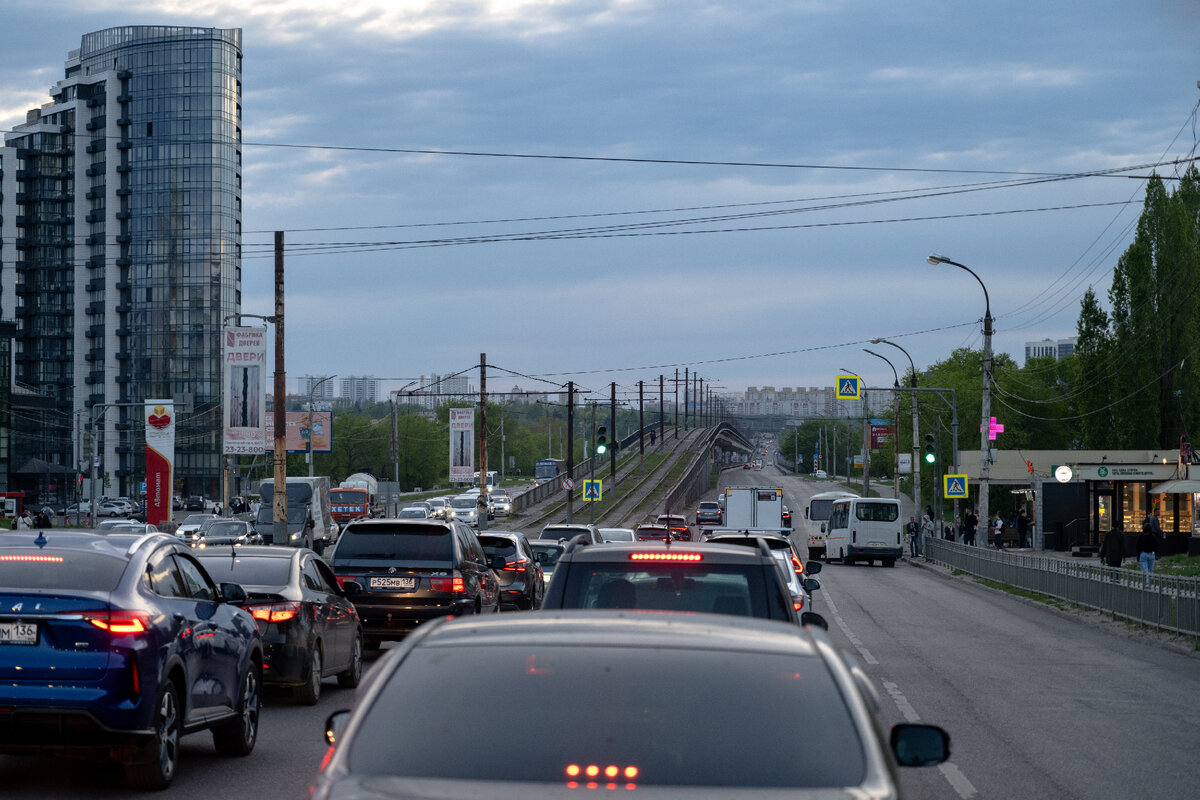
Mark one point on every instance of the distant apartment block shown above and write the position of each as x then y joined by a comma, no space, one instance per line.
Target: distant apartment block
1054,348
360,390
318,387
806,402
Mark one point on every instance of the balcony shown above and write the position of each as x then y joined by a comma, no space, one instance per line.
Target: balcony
95,308
124,168
95,169
124,191
95,285
124,75
94,240
95,147
124,122
95,216
95,101
124,145
124,215
124,238
124,261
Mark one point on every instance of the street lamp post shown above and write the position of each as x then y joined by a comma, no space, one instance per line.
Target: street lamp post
985,460
916,452
896,431
311,390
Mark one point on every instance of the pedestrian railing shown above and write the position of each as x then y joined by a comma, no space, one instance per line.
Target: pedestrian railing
1166,602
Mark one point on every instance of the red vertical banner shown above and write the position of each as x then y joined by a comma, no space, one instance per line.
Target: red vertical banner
160,460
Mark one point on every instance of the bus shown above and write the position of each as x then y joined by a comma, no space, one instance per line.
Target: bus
548,469
493,479
816,515
865,529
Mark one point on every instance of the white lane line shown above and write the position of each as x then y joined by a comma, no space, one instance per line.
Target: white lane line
953,775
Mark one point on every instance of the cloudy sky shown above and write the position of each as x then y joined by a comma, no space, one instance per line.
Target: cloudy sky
606,190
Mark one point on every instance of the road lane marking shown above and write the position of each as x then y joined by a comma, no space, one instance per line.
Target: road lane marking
854,640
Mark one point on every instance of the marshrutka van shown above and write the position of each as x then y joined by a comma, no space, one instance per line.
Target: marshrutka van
816,519
865,529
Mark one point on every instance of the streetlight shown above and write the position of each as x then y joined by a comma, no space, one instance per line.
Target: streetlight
312,389
866,457
985,459
916,460
896,431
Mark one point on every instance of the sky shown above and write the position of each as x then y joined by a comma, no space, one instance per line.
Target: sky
609,190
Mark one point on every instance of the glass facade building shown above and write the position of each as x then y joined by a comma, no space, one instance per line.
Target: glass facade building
121,214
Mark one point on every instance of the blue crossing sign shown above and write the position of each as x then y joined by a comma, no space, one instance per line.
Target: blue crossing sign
847,387
593,490
954,486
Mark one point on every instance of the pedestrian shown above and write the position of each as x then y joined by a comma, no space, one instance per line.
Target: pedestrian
970,523
42,520
24,522
1022,529
1147,545
927,527
1112,549
914,537
998,530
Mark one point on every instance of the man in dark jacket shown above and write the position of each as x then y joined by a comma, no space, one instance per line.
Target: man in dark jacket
1147,545
1112,549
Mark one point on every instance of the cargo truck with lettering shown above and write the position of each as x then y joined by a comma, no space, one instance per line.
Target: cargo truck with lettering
309,520
751,508
355,498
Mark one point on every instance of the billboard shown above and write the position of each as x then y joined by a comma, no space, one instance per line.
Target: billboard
245,390
462,445
297,431
881,434
160,459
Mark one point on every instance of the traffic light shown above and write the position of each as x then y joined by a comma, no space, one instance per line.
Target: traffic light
601,440
930,456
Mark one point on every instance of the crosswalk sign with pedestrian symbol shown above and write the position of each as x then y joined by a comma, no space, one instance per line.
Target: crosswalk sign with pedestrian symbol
954,486
847,387
593,490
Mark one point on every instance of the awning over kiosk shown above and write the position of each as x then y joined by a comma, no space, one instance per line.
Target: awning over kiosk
1176,487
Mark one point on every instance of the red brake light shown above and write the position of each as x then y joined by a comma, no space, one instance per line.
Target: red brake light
796,565
120,622
453,585
274,612
517,566
34,558
665,557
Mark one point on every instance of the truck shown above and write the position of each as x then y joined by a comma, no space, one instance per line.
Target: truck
309,520
354,498
363,480
748,507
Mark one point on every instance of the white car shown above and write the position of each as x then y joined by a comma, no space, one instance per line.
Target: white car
500,502
188,529
617,535
820,474
465,508
415,512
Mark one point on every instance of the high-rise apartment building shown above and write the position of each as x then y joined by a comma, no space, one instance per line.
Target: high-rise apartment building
121,246
1054,348
360,390
318,387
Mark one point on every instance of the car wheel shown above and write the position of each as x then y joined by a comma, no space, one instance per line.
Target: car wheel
353,674
308,693
238,736
158,772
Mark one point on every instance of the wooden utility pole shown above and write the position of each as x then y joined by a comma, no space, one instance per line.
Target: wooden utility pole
483,464
279,419
570,447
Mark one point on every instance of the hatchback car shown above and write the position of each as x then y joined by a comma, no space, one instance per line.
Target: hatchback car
546,554
310,630
760,678
708,512
190,527
115,645
616,535
565,531
678,525
653,533
516,567
400,573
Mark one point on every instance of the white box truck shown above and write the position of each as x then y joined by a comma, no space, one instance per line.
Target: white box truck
309,522
748,507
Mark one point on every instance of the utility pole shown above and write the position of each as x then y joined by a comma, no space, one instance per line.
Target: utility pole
677,402
866,446
592,461
279,507
483,462
612,430
687,390
641,424
662,412
570,437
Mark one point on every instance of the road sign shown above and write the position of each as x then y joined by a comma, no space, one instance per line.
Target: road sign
568,484
847,387
954,486
593,490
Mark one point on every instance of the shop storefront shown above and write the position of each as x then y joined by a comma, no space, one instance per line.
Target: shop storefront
1120,496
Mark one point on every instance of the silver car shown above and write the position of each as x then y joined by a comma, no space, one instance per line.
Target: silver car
465,508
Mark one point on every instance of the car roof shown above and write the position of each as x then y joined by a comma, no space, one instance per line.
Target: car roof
627,628
618,552
252,551
390,522
114,543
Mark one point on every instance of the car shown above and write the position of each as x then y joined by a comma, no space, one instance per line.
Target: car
195,503
671,576
546,553
678,525
761,680
747,465
501,502
309,628
83,507
227,532
517,569
565,531
125,526
439,506
708,512
791,566
414,512
464,508
190,527
616,534
111,508
113,646
820,474
650,533
787,517
409,571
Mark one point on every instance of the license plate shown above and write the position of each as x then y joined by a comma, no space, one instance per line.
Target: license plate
18,632
875,544
393,583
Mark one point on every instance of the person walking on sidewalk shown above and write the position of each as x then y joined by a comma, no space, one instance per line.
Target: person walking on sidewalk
1112,549
914,537
927,526
1147,545
970,523
998,529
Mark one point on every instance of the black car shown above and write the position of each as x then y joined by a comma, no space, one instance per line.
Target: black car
408,571
781,713
112,646
310,630
653,533
516,568
194,503
671,576
220,531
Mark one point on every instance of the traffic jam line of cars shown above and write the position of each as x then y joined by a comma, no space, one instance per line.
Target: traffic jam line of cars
107,650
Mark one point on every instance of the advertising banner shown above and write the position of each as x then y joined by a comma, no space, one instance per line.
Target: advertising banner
244,379
298,431
881,435
462,445
160,459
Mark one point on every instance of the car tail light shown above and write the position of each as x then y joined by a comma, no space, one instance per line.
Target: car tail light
516,566
454,585
274,612
665,557
39,559
796,565
341,579
120,622
798,604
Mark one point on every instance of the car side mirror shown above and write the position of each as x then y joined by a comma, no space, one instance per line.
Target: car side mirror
351,588
334,724
811,585
812,567
822,527
813,619
539,557
917,745
233,593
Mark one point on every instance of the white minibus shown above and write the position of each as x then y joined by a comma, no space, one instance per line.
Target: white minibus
816,517
865,529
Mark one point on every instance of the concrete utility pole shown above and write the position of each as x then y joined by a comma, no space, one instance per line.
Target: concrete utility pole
641,423
612,431
570,437
311,391
483,461
662,411
279,419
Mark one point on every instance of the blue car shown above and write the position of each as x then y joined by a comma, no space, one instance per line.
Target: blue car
115,645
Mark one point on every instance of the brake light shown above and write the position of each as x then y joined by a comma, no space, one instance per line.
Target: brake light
796,565
341,579
120,622
454,585
798,604
665,557
34,559
274,612
516,566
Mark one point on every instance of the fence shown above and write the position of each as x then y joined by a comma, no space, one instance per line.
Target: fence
1168,602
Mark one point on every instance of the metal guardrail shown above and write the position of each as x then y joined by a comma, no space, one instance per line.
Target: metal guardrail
1167,602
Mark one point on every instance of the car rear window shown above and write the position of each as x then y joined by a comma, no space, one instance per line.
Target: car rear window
555,532
248,571
36,568
398,542
552,552
498,545
753,708
737,589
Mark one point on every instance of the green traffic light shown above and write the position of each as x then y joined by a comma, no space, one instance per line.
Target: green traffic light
929,457
601,447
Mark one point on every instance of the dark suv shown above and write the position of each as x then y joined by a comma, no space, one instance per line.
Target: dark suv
671,576
114,645
408,571
516,567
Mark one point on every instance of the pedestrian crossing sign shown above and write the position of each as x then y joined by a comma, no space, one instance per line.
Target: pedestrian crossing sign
593,491
954,487
847,387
